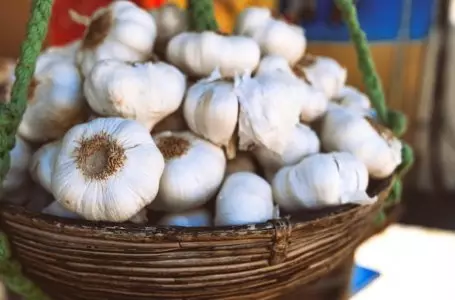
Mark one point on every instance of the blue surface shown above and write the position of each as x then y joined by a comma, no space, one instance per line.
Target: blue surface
362,277
380,19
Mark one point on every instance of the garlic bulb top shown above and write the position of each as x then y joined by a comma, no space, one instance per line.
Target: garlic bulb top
43,162
270,106
120,31
193,173
244,198
145,92
55,103
107,170
192,218
273,36
323,73
376,146
211,110
321,180
199,54
17,175
170,21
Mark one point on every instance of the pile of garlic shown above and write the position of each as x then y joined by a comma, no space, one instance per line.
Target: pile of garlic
218,131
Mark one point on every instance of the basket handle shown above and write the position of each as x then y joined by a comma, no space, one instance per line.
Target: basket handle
10,117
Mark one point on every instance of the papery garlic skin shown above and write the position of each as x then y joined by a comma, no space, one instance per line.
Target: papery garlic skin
51,55
270,106
58,210
170,21
145,92
120,31
321,180
302,143
193,173
243,162
199,54
211,109
348,131
42,164
107,170
55,103
192,218
323,73
244,198
17,176
273,36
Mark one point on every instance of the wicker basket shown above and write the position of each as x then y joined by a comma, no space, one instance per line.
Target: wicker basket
72,259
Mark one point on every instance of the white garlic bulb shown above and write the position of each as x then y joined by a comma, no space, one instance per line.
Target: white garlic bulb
192,218
145,92
107,170
302,143
199,54
193,173
17,177
43,162
211,110
351,97
58,210
270,106
323,73
375,145
273,36
51,55
7,77
55,103
243,162
120,31
321,180
244,198
170,21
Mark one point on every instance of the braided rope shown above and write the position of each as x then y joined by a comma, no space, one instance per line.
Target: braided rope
11,115
202,15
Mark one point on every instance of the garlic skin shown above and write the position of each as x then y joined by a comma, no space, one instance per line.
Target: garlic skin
323,73
243,162
193,173
52,55
43,162
199,54
321,180
58,210
270,106
107,170
7,77
302,143
55,103
121,31
352,98
192,218
17,176
244,198
348,131
211,110
273,36
145,92
170,21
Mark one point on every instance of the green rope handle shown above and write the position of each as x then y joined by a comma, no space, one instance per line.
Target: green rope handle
10,117
202,15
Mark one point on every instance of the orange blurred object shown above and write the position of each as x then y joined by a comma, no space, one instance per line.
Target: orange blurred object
64,30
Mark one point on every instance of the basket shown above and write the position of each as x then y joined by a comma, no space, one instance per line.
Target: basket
69,259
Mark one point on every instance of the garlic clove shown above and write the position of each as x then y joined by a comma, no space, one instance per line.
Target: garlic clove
192,218
243,162
194,171
145,92
17,177
107,170
121,31
43,162
244,198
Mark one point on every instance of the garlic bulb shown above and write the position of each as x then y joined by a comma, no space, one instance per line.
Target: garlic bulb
245,198
7,77
273,36
199,54
323,73
55,103
321,180
170,21
194,171
107,170
375,145
58,210
43,162
192,218
270,106
211,110
52,55
17,177
243,162
145,92
120,31
302,143
351,97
